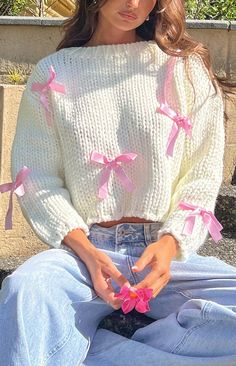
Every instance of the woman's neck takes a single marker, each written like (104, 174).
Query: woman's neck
(98, 42)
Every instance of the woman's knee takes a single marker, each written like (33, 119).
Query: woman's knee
(55, 274)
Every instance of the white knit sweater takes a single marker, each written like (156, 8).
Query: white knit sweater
(110, 106)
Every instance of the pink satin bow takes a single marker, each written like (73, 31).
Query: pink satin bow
(179, 122)
(16, 187)
(109, 165)
(135, 298)
(44, 88)
(209, 219)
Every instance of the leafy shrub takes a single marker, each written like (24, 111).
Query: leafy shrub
(211, 9)
(195, 9)
(12, 7)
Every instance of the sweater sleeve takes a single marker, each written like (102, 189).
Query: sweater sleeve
(46, 203)
(202, 162)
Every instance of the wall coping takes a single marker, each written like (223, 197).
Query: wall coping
(57, 21)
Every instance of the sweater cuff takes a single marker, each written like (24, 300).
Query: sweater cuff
(188, 244)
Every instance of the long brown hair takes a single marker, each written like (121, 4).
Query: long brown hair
(166, 26)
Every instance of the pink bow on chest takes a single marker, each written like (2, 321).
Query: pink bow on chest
(113, 164)
(43, 90)
(16, 187)
(213, 225)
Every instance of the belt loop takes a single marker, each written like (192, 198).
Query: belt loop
(147, 232)
(116, 233)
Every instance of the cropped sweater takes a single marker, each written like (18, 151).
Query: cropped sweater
(116, 131)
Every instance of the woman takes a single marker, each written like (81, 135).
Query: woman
(122, 130)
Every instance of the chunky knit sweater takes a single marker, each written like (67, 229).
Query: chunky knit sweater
(116, 131)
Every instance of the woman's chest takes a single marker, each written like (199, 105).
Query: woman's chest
(123, 111)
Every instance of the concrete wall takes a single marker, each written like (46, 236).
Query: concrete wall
(20, 241)
(29, 43)
(25, 40)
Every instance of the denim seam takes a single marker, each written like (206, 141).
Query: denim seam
(62, 342)
(104, 350)
(205, 312)
(184, 293)
(183, 340)
(59, 345)
(86, 300)
(128, 260)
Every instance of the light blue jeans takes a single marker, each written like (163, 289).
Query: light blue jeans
(49, 312)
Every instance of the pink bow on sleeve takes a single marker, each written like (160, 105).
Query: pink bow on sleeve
(179, 122)
(109, 165)
(16, 187)
(43, 90)
(213, 225)
(135, 298)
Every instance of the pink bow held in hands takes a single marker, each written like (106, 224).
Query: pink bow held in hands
(16, 187)
(43, 90)
(109, 165)
(134, 298)
(179, 122)
(213, 225)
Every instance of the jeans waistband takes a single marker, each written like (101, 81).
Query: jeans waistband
(126, 232)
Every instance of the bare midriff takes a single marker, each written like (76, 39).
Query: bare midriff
(123, 220)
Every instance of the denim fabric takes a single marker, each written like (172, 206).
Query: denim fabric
(49, 312)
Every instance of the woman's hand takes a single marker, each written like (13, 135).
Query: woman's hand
(99, 265)
(158, 256)
(102, 270)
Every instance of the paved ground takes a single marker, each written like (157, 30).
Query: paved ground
(225, 250)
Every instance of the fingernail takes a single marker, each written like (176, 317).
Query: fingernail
(134, 267)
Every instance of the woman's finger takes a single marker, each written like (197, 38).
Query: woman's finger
(152, 277)
(155, 281)
(104, 289)
(158, 290)
(142, 262)
(117, 276)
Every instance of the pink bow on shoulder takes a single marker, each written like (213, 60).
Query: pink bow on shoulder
(135, 298)
(16, 187)
(179, 122)
(213, 225)
(109, 165)
(43, 90)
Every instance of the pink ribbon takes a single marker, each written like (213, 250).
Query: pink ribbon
(209, 219)
(179, 122)
(109, 165)
(16, 187)
(43, 90)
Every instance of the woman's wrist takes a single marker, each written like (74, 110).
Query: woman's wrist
(172, 242)
(78, 241)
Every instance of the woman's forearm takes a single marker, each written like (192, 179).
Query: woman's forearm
(78, 241)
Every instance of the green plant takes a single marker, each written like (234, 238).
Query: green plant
(18, 75)
(12, 7)
(34, 7)
(211, 9)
